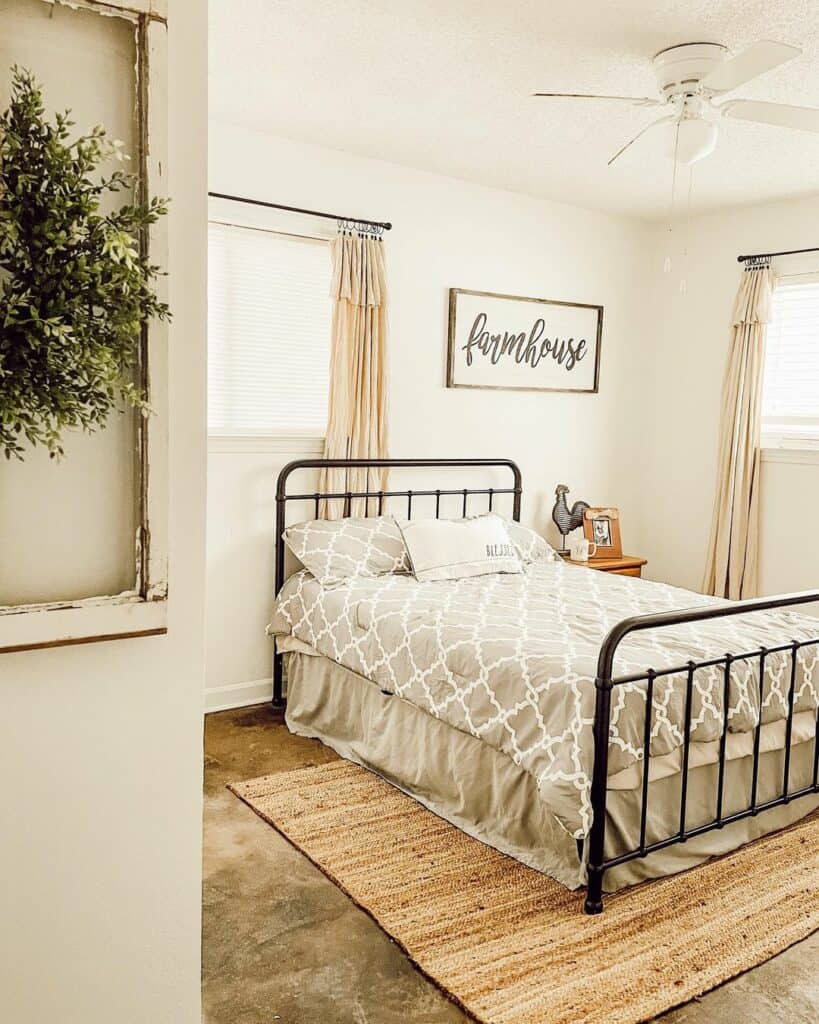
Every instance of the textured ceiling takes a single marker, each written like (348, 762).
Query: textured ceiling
(444, 85)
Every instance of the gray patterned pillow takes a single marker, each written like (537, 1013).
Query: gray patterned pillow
(336, 550)
(530, 546)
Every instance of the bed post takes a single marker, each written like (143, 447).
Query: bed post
(278, 698)
(600, 775)
(597, 836)
(278, 694)
(518, 490)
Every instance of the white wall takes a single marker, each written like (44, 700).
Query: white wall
(789, 558)
(647, 442)
(684, 359)
(101, 745)
(447, 233)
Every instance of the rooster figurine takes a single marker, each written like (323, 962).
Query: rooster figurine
(565, 519)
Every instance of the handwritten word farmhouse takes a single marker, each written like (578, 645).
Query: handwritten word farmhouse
(523, 347)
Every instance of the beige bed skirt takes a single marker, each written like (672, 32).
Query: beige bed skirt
(483, 792)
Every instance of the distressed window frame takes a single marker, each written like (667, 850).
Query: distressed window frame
(141, 611)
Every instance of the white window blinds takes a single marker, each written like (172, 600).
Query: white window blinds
(269, 313)
(790, 404)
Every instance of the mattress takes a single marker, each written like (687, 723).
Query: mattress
(510, 661)
(488, 796)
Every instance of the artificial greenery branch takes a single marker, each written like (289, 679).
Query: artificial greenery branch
(75, 288)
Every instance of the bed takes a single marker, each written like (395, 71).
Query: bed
(569, 718)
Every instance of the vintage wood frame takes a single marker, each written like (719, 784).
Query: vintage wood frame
(613, 550)
(450, 352)
(143, 610)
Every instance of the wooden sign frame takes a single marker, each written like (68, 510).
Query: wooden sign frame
(452, 376)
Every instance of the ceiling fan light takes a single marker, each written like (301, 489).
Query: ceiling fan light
(696, 139)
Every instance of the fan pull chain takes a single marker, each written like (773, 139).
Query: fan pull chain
(667, 263)
(683, 282)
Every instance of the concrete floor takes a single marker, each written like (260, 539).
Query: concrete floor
(282, 943)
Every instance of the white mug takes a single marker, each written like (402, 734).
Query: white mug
(581, 550)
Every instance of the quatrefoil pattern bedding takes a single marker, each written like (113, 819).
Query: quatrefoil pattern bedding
(511, 660)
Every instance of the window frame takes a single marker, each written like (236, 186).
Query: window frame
(231, 213)
(792, 438)
(141, 611)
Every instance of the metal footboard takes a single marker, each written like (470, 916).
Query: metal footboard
(605, 682)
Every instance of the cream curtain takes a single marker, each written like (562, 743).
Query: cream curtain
(731, 568)
(357, 413)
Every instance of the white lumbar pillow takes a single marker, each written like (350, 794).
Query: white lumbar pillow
(450, 549)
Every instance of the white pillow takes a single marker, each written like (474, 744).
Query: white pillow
(451, 549)
(529, 545)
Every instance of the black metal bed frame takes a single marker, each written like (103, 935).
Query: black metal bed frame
(316, 497)
(605, 681)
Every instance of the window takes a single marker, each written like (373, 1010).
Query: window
(790, 396)
(269, 333)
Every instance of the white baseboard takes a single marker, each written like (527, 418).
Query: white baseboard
(238, 695)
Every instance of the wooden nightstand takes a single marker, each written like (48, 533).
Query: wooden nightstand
(625, 565)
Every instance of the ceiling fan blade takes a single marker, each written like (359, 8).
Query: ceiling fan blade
(639, 135)
(637, 101)
(782, 115)
(756, 60)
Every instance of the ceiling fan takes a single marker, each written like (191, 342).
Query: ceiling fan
(691, 76)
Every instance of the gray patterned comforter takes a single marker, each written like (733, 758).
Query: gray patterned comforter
(511, 660)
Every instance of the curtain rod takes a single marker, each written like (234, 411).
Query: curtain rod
(298, 209)
(768, 255)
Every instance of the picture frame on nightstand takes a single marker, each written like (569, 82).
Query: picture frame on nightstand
(601, 526)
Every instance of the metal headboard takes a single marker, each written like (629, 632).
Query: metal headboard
(282, 497)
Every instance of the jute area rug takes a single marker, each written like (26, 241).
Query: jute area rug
(510, 945)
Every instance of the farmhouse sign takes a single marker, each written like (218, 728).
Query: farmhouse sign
(507, 341)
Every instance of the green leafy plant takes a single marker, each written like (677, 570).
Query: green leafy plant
(75, 286)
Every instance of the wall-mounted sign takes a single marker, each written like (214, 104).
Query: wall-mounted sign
(511, 342)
